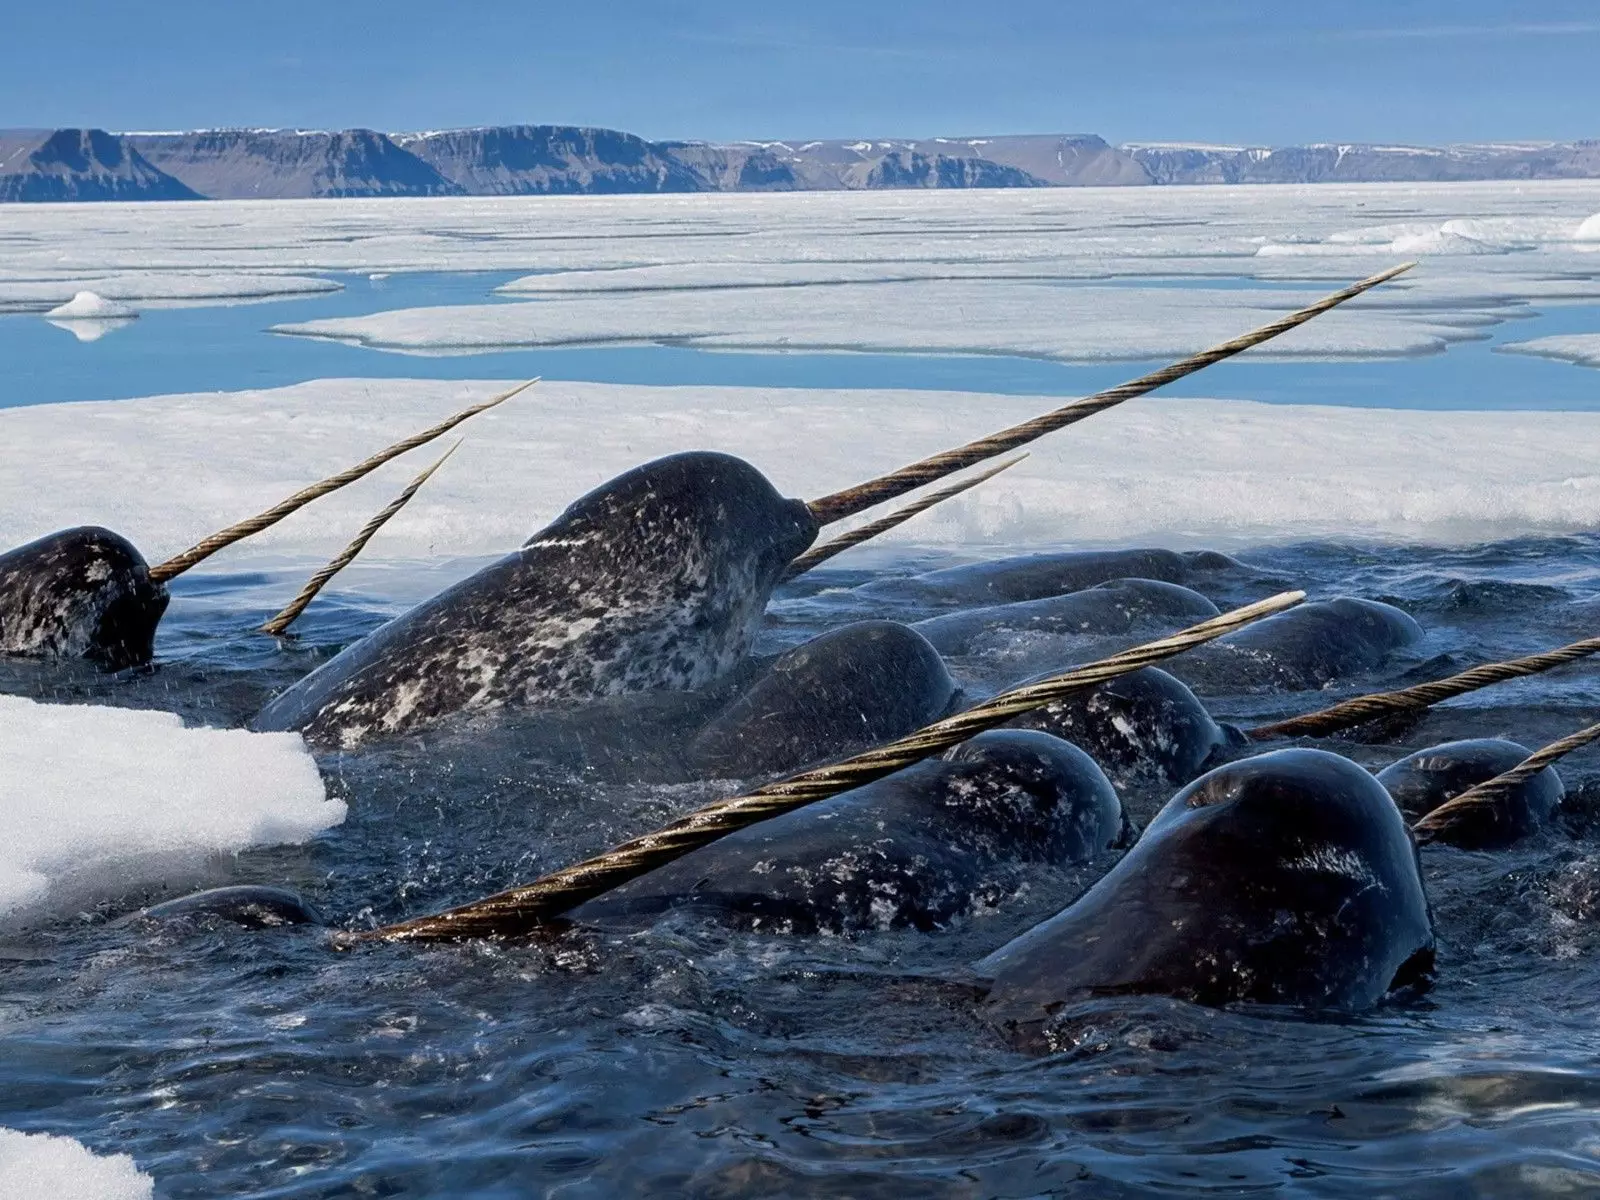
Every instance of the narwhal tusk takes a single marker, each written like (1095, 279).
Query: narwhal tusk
(1491, 791)
(201, 551)
(818, 555)
(278, 624)
(523, 909)
(1361, 709)
(897, 483)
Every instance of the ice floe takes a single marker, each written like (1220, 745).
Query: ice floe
(97, 802)
(166, 470)
(48, 1167)
(1581, 349)
(24, 291)
(1034, 319)
(91, 306)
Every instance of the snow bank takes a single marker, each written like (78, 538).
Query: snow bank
(91, 306)
(166, 470)
(1458, 236)
(58, 1168)
(1581, 349)
(101, 800)
(1072, 323)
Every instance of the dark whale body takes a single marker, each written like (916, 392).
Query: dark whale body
(1289, 878)
(1421, 782)
(1307, 647)
(81, 593)
(916, 849)
(850, 688)
(654, 581)
(1142, 728)
(255, 906)
(1035, 576)
(1106, 608)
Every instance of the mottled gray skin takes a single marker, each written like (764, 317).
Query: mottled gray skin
(1142, 728)
(255, 906)
(1034, 576)
(1106, 608)
(1307, 647)
(916, 849)
(848, 689)
(1289, 878)
(1421, 782)
(654, 581)
(81, 593)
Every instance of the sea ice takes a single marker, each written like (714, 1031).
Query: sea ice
(1043, 320)
(1581, 349)
(91, 306)
(96, 802)
(167, 470)
(47, 1167)
(27, 291)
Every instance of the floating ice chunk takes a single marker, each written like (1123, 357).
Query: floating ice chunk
(58, 1168)
(1041, 320)
(1580, 349)
(1589, 231)
(96, 801)
(91, 306)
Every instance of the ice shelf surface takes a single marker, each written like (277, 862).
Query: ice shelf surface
(58, 1168)
(99, 801)
(165, 471)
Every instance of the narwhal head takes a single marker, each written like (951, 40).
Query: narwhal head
(80, 593)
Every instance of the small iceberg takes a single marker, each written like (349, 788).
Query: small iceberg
(91, 306)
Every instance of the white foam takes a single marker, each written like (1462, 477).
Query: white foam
(167, 470)
(97, 801)
(91, 306)
(1581, 349)
(41, 1166)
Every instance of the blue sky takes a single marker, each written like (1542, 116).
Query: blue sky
(1229, 70)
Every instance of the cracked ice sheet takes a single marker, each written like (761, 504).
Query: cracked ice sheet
(1148, 231)
(1077, 323)
(23, 292)
(96, 802)
(165, 471)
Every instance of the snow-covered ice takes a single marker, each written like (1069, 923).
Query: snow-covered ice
(1581, 349)
(1033, 319)
(166, 470)
(41, 1166)
(42, 291)
(91, 306)
(100, 801)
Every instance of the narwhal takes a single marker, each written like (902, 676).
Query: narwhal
(88, 593)
(654, 581)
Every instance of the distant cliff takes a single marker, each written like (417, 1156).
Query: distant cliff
(511, 160)
(269, 164)
(80, 164)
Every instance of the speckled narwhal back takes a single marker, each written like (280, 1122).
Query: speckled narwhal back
(654, 581)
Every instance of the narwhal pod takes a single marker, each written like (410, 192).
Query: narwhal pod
(1421, 782)
(1106, 608)
(915, 849)
(654, 581)
(1289, 878)
(1306, 647)
(1142, 728)
(1034, 576)
(81, 593)
(850, 688)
